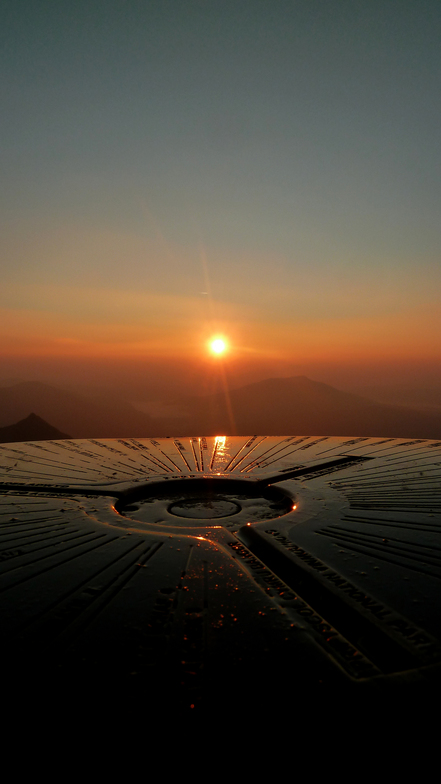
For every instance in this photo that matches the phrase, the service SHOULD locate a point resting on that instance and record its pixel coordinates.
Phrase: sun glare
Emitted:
(218, 346)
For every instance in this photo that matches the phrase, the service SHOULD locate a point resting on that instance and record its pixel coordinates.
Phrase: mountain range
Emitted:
(275, 406)
(297, 405)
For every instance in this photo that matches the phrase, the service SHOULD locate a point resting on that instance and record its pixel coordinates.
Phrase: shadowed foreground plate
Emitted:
(224, 569)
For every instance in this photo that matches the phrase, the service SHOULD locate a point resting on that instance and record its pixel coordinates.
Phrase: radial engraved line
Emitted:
(350, 442)
(376, 552)
(399, 451)
(53, 461)
(64, 534)
(229, 466)
(399, 499)
(202, 443)
(101, 602)
(417, 523)
(194, 441)
(179, 446)
(151, 456)
(158, 463)
(404, 459)
(79, 588)
(28, 536)
(371, 483)
(411, 503)
(213, 456)
(389, 488)
(408, 455)
(28, 503)
(384, 451)
(47, 462)
(152, 459)
(31, 525)
(399, 544)
(21, 562)
(264, 463)
(80, 450)
(410, 484)
(416, 491)
(421, 479)
(157, 445)
(39, 447)
(116, 461)
(28, 520)
(15, 471)
(382, 476)
(116, 464)
(32, 573)
(263, 458)
(41, 537)
(405, 527)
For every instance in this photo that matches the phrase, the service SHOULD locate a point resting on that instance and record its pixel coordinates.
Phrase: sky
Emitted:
(266, 171)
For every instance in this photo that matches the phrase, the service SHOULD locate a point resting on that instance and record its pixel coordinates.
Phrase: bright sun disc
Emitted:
(218, 346)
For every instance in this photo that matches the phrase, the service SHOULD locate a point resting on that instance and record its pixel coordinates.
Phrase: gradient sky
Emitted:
(265, 170)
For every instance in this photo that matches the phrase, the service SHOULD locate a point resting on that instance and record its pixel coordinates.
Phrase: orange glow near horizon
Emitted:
(165, 328)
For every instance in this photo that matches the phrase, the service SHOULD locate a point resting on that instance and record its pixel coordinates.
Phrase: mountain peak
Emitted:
(31, 428)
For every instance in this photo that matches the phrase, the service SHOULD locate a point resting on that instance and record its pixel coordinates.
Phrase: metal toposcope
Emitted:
(296, 565)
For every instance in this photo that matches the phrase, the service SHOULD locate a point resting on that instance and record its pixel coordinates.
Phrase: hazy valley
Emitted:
(277, 406)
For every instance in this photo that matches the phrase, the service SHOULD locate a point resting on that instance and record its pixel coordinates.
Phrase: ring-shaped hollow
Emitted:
(220, 497)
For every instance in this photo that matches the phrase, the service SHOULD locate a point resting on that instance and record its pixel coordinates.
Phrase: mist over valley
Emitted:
(274, 406)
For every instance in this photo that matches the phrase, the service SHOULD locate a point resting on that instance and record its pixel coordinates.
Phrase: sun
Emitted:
(218, 346)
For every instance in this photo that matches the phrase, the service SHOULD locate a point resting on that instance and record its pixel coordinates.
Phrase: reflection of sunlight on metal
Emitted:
(219, 450)
(220, 444)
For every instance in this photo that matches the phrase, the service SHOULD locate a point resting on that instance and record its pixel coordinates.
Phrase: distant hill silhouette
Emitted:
(276, 406)
(280, 406)
(421, 397)
(81, 417)
(33, 428)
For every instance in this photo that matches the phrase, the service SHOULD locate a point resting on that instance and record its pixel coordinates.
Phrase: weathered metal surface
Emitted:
(206, 566)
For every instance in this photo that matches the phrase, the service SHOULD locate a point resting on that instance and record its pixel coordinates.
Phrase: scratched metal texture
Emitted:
(206, 568)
